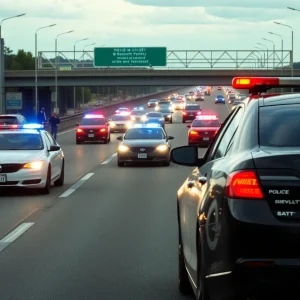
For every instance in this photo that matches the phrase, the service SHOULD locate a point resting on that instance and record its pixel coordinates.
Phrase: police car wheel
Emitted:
(183, 279)
(167, 163)
(46, 190)
(60, 181)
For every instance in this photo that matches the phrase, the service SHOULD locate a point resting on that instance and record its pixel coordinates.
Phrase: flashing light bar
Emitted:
(207, 118)
(124, 113)
(250, 82)
(148, 125)
(90, 116)
(32, 126)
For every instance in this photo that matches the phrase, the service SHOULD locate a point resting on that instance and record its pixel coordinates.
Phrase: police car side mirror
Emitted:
(54, 148)
(186, 156)
(120, 138)
(170, 138)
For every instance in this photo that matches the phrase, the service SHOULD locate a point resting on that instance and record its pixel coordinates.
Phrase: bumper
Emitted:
(219, 102)
(132, 157)
(119, 128)
(188, 118)
(200, 141)
(25, 178)
(91, 137)
(151, 105)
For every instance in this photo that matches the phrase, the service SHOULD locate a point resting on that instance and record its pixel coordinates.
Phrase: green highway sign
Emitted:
(130, 57)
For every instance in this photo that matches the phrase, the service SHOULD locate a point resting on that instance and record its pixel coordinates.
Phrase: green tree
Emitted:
(8, 57)
(23, 61)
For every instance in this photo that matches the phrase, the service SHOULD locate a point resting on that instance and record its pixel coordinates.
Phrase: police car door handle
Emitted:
(202, 180)
(190, 184)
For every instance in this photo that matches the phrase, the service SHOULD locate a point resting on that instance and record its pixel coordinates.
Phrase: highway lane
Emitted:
(16, 205)
(115, 237)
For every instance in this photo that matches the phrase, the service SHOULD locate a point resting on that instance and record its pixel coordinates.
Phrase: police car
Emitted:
(30, 158)
(144, 143)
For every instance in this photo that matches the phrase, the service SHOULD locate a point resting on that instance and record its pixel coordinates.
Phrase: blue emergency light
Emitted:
(33, 126)
(147, 125)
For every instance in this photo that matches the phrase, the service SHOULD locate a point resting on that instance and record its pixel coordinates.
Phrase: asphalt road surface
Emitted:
(109, 233)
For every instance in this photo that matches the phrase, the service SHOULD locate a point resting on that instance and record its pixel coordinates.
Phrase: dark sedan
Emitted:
(152, 102)
(144, 143)
(239, 209)
(166, 113)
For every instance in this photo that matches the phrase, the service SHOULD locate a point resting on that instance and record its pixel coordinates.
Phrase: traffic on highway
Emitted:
(190, 195)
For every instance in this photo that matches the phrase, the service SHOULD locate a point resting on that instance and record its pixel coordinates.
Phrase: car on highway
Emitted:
(136, 115)
(93, 128)
(167, 113)
(30, 158)
(122, 111)
(231, 98)
(145, 143)
(190, 112)
(220, 99)
(163, 104)
(235, 104)
(7, 120)
(155, 117)
(203, 130)
(188, 97)
(120, 123)
(152, 102)
(219, 88)
(199, 97)
(178, 105)
(238, 211)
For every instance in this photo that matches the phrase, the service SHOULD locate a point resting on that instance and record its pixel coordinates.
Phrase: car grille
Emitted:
(90, 130)
(138, 149)
(10, 168)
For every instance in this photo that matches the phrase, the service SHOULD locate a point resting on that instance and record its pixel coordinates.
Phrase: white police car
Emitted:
(31, 158)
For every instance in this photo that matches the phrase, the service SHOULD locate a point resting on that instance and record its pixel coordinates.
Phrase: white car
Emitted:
(120, 123)
(30, 158)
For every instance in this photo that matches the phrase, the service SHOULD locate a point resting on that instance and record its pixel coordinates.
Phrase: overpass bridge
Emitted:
(134, 77)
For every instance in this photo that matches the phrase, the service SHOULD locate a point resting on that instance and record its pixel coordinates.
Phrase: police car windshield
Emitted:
(20, 141)
(120, 118)
(192, 107)
(154, 115)
(278, 126)
(145, 134)
(93, 122)
(206, 123)
(8, 120)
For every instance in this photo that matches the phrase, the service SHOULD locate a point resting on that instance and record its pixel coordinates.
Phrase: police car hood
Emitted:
(143, 143)
(19, 156)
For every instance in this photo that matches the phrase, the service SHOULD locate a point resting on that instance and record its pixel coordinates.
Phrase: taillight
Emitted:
(193, 132)
(102, 130)
(79, 130)
(243, 184)
(184, 113)
(199, 113)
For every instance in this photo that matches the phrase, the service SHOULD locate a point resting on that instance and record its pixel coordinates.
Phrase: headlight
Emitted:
(162, 148)
(35, 165)
(123, 148)
(144, 118)
(129, 125)
(169, 116)
(133, 118)
(112, 124)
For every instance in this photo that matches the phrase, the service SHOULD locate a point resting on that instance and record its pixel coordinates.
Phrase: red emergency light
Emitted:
(207, 118)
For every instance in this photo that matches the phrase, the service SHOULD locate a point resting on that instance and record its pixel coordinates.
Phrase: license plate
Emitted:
(91, 135)
(3, 178)
(142, 155)
(206, 139)
(191, 115)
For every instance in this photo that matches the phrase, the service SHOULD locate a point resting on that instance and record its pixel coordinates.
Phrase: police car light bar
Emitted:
(151, 125)
(210, 117)
(90, 116)
(265, 82)
(33, 126)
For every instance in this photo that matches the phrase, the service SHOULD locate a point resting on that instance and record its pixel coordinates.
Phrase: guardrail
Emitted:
(69, 122)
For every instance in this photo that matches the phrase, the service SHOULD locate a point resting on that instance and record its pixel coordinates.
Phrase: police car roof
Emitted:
(20, 130)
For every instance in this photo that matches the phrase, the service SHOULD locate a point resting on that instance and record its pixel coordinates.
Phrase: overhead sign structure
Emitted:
(130, 57)
(14, 101)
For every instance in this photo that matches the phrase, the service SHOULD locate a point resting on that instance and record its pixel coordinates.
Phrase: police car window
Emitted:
(120, 118)
(145, 134)
(51, 139)
(93, 122)
(20, 141)
(278, 126)
(228, 135)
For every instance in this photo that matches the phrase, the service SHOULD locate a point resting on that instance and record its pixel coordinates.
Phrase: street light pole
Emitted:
(2, 66)
(281, 47)
(75, 48)
(273, 51)
(36, 66)
(56, 67)
(267, 53)
(292, 54)
(261, 49)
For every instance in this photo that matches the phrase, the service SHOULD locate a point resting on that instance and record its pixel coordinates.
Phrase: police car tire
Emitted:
(167, 163)
(120, 164)
(46, 190)
(60, 181)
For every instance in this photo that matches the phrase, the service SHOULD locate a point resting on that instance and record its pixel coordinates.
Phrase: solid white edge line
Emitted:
(76, 185)
(60, 133)
(17, 232)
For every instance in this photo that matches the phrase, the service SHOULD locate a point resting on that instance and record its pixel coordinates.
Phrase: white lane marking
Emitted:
(105, 162)
(75, 186)
(11, 237)
(66, 131)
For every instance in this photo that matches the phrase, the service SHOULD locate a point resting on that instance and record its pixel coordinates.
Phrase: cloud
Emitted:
(217, 3)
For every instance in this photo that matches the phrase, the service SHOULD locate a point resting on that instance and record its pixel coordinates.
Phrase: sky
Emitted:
(175, 24)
